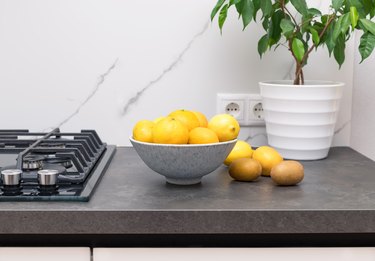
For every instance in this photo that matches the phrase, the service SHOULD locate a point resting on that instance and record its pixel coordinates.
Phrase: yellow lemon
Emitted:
(186, 117)
(225, 126)
(201, 118)
(202, 135)
(268, 157)
(142, 130)
(170, 131)
(242, 149)
(158, 119)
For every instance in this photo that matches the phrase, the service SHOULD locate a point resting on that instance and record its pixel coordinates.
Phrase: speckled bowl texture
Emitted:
(183, 164)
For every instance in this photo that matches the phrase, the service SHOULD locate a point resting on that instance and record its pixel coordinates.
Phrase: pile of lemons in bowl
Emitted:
(187, 127)
(184, 146)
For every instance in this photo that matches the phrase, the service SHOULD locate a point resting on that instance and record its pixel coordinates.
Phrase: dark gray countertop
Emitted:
(337, 196)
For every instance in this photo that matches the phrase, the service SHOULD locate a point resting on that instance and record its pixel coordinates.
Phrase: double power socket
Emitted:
(246, 108)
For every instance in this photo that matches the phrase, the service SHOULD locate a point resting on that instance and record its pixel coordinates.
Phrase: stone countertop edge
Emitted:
(188, 222)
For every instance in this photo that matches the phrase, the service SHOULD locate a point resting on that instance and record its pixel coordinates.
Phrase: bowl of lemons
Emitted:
(184, 146)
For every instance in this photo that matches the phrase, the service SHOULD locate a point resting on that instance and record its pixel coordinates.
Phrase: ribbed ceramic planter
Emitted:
(300, 120)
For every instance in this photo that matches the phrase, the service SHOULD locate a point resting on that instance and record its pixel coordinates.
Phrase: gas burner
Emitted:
(11, 177)
(65, 162)
(47, 177)
(32, 162)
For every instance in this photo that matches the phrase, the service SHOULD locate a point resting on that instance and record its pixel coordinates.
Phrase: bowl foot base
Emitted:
(183, 181)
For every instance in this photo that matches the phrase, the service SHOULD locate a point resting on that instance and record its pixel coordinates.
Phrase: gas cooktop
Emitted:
(54, 166)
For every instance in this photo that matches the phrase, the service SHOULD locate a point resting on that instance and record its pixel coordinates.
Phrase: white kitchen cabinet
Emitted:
(45, 254)
(238, 254)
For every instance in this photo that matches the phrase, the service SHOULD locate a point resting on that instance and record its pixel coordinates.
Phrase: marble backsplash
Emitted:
(105, 65)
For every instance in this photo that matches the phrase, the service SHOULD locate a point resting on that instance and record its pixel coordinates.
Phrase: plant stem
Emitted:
(299, 73)
(299, 77)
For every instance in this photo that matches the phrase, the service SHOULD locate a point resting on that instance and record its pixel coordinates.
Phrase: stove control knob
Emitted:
(11, 177)
(47, 177)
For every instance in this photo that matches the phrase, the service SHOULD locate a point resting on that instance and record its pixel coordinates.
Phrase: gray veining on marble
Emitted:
(100, 82)
(289, 74)
(168, 69)
(251, 137)
(343, 126)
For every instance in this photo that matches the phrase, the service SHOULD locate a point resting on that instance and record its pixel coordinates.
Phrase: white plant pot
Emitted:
(300, 120)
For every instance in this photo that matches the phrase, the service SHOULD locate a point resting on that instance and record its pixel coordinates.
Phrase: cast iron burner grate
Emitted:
(54, 166)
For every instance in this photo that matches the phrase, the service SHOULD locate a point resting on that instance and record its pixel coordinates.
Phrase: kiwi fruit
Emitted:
(287, 173)
(245, 169)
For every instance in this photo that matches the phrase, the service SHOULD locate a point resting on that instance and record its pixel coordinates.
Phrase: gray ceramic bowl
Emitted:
(183, 164)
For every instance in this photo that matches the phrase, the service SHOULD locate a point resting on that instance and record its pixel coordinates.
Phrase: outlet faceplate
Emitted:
(246, 108)
(233, 104)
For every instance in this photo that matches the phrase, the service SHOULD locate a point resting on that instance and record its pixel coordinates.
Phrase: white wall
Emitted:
(78, 63)
(363, 119)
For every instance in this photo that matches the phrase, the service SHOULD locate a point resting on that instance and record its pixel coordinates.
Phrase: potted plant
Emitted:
(300, 115)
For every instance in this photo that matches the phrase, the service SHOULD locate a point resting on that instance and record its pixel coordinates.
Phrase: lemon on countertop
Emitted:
(268, 157)
(242, 149)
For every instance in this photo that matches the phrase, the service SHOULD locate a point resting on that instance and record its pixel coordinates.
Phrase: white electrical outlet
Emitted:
(255, 111)
(246, 108)
(233, 104)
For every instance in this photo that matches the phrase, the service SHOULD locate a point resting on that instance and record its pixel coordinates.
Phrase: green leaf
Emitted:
(234, 2)
(336, 4)
(315, 36)
(263, 45)
(256, 4)
(353, 16)
(324, 19)
(275, 29)
(300, 6)
(369, 25)
(287, 27)
(337, 28)
(298, 49)
(356, 3)
(266, 6)
(314, 12)
(239, 8)
(223, 16)
(367, 6)
(329, 39)
(247, 12)
(216, 8)
(339, 50)
(345, 23)
(266, 23)
(366, 46)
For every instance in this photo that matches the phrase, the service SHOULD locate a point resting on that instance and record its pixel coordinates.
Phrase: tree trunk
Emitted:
(298, 77)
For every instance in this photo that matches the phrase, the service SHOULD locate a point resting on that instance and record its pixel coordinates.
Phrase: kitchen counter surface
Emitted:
(335, 204)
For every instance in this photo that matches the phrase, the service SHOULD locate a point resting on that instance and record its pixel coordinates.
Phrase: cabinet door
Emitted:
(238, 254)
(44, 254)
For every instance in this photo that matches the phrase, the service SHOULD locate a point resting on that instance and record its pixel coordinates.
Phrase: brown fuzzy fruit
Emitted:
(287, 173)
(245, 169)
